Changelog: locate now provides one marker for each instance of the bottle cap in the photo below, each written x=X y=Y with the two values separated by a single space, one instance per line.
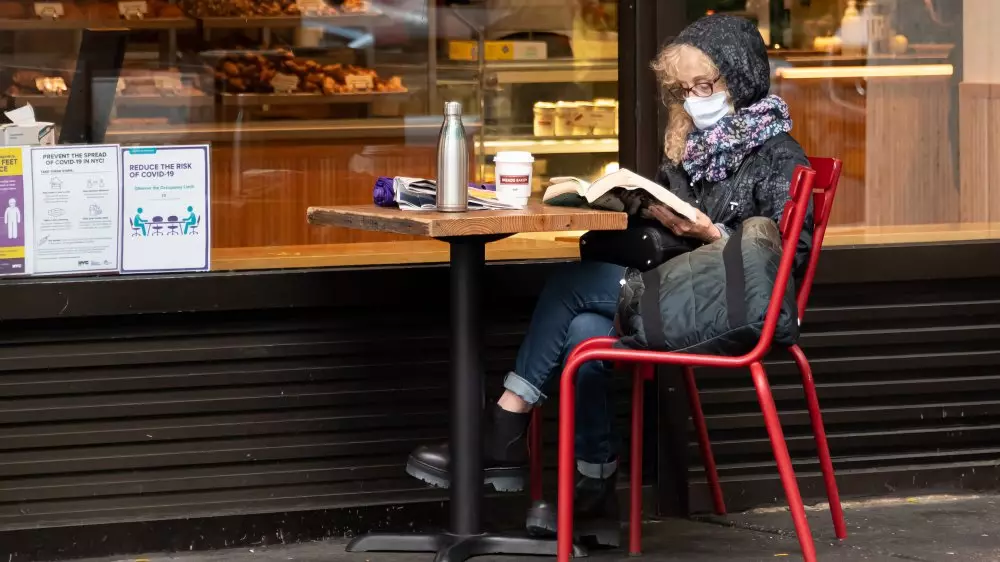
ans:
x=452 y=108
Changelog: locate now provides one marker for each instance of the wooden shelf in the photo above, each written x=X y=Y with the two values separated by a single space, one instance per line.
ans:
x=284 y=22
x=246 y=100
x=165 y=101
x=67 y=25
x=554 y=145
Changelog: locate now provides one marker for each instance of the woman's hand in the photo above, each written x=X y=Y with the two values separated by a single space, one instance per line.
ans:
x=701 y=228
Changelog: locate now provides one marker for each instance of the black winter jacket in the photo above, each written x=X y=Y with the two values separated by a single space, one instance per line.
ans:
x=759 y=188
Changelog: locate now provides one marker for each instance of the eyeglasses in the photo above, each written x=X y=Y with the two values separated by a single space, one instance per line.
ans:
x=701 y=89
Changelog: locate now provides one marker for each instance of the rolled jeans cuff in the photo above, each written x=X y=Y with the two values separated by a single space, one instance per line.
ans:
x=523 y=389
x=597 y=470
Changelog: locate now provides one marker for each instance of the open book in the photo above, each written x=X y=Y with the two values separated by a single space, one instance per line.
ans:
x=610 y=192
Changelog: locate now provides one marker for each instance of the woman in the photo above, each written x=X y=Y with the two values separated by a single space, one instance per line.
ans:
x=728 y=153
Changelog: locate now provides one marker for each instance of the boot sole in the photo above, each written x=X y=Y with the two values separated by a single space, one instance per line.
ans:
x=502 y=479
x=590 y=533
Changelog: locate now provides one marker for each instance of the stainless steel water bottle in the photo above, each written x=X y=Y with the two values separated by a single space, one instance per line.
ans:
x=452 y=162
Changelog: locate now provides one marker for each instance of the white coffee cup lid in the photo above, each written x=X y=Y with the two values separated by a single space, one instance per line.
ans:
x=514 y=157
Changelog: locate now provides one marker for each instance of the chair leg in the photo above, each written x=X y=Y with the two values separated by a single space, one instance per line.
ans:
x=822 y=448
x=535 y=454
x=567 y=464
x=635 y=462
x=784 y=462
x=704 y=444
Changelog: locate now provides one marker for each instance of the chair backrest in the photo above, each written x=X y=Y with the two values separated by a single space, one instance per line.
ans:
x=824 y=190
x=792 y=220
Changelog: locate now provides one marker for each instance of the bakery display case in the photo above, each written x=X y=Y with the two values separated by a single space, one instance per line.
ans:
x=307 y=102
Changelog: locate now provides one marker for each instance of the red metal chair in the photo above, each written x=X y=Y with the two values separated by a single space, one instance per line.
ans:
x=824 y=190
x=600 y=349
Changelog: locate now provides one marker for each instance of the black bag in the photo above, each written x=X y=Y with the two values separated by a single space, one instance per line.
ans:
x=645 y=244
x=712 y=300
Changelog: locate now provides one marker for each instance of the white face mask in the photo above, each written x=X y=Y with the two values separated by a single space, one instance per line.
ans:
x=706 y=112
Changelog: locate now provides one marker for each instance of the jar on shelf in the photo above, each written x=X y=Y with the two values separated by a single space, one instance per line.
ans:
x=565 y=114
x=583 y=119
x=604 y=117
x=545 y=119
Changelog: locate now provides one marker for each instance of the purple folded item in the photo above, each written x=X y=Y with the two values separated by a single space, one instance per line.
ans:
x=384 y=193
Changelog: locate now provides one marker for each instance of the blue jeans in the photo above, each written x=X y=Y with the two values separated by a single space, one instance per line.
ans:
x=576 y=304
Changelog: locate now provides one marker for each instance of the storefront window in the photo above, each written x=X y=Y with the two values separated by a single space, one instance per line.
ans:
x=900 y=91
x=308 y=103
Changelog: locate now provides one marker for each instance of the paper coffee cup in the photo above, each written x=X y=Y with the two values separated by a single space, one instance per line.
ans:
x=513 y=177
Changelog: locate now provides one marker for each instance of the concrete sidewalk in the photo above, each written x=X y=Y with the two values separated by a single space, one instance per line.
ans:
x=923 y=529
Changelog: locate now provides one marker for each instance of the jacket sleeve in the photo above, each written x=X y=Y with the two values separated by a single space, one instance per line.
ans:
x=771 y=194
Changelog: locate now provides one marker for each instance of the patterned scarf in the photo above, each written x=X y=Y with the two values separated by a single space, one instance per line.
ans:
x=714 y=153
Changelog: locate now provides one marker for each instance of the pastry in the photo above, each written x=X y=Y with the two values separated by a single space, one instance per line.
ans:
x=51 y=85
x=355 y=6
x=329 y=86
x=315 y=78
x=236 y=84
x=393 y=84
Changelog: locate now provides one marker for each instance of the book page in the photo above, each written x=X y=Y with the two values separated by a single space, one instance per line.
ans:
x=630 y=180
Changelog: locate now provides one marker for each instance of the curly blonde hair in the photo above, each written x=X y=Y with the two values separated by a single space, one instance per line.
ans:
x=679 y=123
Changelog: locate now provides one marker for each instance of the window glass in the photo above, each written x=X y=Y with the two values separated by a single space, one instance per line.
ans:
x=904 y=92
x=307 y=102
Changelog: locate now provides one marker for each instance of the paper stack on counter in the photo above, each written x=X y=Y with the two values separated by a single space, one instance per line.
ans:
x=415 y=194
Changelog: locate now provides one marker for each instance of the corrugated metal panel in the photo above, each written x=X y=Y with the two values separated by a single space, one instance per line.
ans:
x=188 y=415
x=203 y=414
x=908 y=375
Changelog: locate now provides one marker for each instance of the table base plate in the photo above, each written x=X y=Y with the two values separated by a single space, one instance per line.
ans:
x=457 y=548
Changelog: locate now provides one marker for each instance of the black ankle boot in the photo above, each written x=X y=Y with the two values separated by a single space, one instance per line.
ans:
x=596 y=515
x=505 y=455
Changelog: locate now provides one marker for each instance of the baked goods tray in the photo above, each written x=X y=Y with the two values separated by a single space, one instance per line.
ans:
x=73 y=24
x=246 y=100
x=122 y=100
x=344 y=20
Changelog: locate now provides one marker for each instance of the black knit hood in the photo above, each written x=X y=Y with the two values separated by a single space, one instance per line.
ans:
x=735 y=46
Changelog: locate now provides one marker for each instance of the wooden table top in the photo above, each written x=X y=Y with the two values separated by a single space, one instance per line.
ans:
x=535 y=218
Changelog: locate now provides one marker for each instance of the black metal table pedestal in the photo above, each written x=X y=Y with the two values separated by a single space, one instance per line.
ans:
x=468 y=262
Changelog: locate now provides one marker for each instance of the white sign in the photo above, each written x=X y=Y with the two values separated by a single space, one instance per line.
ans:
x=76 y=209
x=133 y=9
x=165 y=208
x=49 y=10
x=359 y=82
x=15 y=198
